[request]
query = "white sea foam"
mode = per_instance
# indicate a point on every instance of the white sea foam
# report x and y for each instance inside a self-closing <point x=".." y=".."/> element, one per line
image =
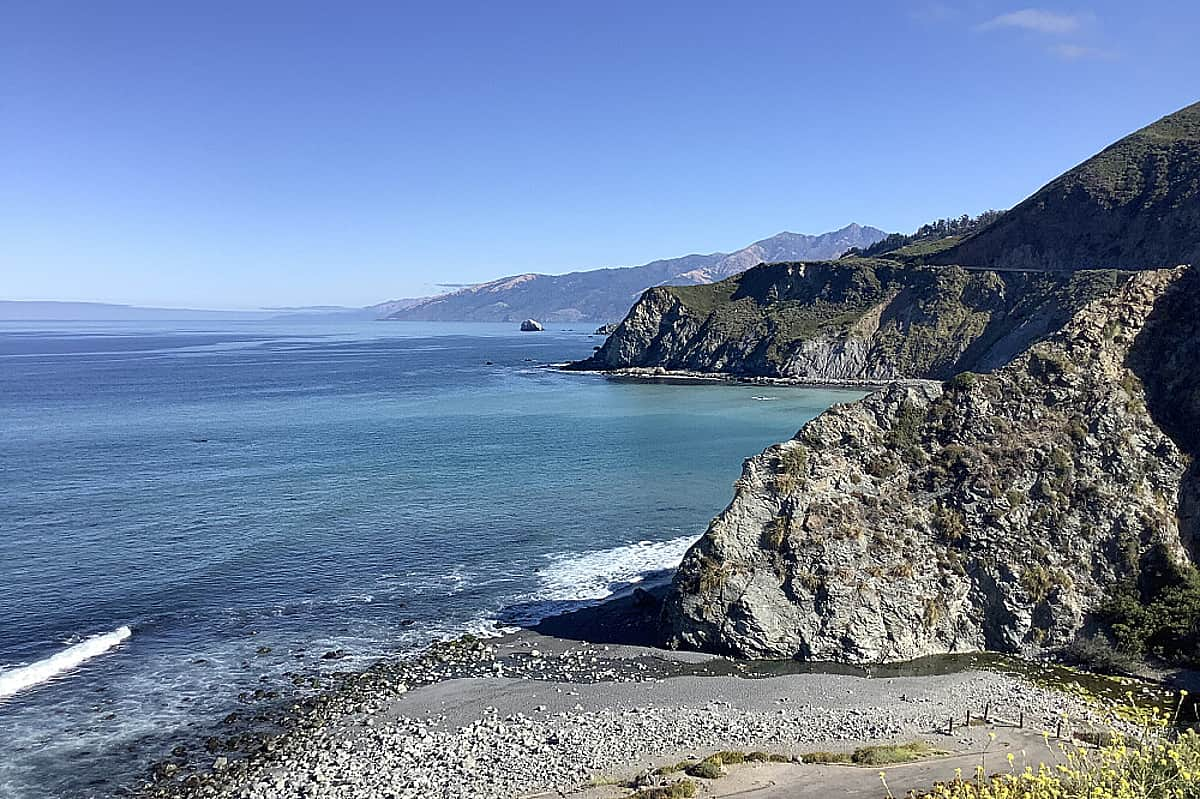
<point x="601" y="573"/>
<point x="22" y="677"/>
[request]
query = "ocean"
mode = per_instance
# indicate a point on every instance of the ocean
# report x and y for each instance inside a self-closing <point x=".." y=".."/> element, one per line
<point x="193" y="510"/>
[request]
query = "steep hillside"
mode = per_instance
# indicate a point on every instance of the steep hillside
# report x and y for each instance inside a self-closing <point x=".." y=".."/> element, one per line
<point x="1136" y="205"/>
<point x="605" y="295"/>
<point x="855" y="319"/>
<point x="997" y="511"/>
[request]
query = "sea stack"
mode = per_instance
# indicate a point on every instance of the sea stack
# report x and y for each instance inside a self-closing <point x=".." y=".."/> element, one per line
<point x="531" y="326"/>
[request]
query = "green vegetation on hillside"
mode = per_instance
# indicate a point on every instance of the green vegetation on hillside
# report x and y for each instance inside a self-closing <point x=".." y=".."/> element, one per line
<point x="1134" y="205"/>
<point x="930" y="238"/>
<point x="882" y="317"/>
<point x="1160" y="616"/>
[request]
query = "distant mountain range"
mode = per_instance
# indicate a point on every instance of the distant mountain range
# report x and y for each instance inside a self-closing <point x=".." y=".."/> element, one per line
<point x="51" y="311"/>
<point x="56" y="311"/>
<point x="606" y="295"/>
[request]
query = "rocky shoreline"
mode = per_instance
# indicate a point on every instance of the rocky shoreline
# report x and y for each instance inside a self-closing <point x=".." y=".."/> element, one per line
<point x="529" y="713"/>
<point x="659" y="374"/>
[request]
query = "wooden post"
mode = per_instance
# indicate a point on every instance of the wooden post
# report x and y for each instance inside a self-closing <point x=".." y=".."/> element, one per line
<point x="968" y="717"/>
<point x="1058" y="731"/>
<point x="950" y="726"/>
<point x="987" y="712"/>
<point x="1021" y="720"/>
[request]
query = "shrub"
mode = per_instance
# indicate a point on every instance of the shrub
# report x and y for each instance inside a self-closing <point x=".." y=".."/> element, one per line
<point x="882" y="467"/>
<point x="713" y="575"/>
<point x="1162" y="617"/>
<point x="888" y="754"/>
<point x="810" y="581"/>
<point x="1155" y="768"/>
<point x="707" y="769"/>
<point x="775" y="533"/>
<point x="904" y="437"/>
<point x="676" y="790"/>
<point x="1039" y="582"/>
<point x="727" y="758"/>
<point x="961" y="381"/>
<point x="949" y="523"/>
<point x="794" y="460"/>
<point x="1047" y="364"/>
<point x="934" y="610"/>
<point x="954" y="459"/>
<point x="825" y="757"/>
<point x="1097" y="653"/>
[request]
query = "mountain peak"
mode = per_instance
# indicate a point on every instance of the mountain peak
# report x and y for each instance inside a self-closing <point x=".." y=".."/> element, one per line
<point x="604" y="295"/>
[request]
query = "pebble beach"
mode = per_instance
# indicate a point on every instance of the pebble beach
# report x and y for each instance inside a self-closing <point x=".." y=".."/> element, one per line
<point x="529" y="714"/>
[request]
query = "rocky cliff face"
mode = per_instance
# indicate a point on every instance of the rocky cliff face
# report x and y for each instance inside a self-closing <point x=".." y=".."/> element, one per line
<point x="990" y="512"/>
<point x="851" y="319"/>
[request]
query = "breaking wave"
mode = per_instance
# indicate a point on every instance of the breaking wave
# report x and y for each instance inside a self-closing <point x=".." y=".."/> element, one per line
<point x="602" y="573"/>
<point x="22" y="677"/>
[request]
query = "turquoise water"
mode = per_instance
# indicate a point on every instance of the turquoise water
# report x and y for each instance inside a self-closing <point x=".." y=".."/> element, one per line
<point x="177" y="498"/>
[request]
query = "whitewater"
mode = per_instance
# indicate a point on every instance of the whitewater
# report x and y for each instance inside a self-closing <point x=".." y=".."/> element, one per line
<point x="20" y="678"/>
<point x="220" y="507"/>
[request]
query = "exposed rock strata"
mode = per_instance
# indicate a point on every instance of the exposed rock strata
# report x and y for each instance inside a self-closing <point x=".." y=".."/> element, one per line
<point x="854" y="319"/>
<point x="992" y="512"/>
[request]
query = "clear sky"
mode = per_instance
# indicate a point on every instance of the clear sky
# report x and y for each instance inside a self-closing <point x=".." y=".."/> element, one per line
<point x="239" y="154"/>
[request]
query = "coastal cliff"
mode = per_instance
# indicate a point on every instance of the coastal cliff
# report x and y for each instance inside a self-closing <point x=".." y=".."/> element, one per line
<point x="854" y="319"/>
<point x="995" y="511"/>
<point x="930" y="306"/>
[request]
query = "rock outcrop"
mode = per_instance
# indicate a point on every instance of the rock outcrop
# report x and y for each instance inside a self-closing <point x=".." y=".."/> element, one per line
<point x="854" y="319"/>
<point x="993" y="511"/>
<point x="531" y="326"/>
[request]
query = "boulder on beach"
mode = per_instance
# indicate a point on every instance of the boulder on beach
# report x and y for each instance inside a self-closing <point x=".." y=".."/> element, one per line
<point x="531" y="326"/>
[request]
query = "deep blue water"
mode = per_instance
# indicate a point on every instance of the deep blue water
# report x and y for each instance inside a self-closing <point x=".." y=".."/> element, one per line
<point x="222" y="487"/>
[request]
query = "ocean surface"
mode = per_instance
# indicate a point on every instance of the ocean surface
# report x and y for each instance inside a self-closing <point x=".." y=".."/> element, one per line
<point x="176" y="499"/>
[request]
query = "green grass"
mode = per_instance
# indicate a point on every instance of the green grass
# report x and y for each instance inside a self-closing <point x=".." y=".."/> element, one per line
<point x="925" y="247"/>
<point x="702" y="300"/>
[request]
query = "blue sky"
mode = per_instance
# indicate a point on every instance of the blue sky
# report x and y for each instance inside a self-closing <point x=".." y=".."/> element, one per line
<point x="239" y="154"/>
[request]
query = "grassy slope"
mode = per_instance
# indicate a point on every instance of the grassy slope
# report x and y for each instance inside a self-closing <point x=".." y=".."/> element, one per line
<point x="930" y="313"/>
<point x="1135" y="205"/>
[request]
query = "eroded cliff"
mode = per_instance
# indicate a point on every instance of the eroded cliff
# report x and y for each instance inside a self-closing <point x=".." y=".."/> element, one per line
<point x="994" y="511"/>
<point x="854" y="319"/>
